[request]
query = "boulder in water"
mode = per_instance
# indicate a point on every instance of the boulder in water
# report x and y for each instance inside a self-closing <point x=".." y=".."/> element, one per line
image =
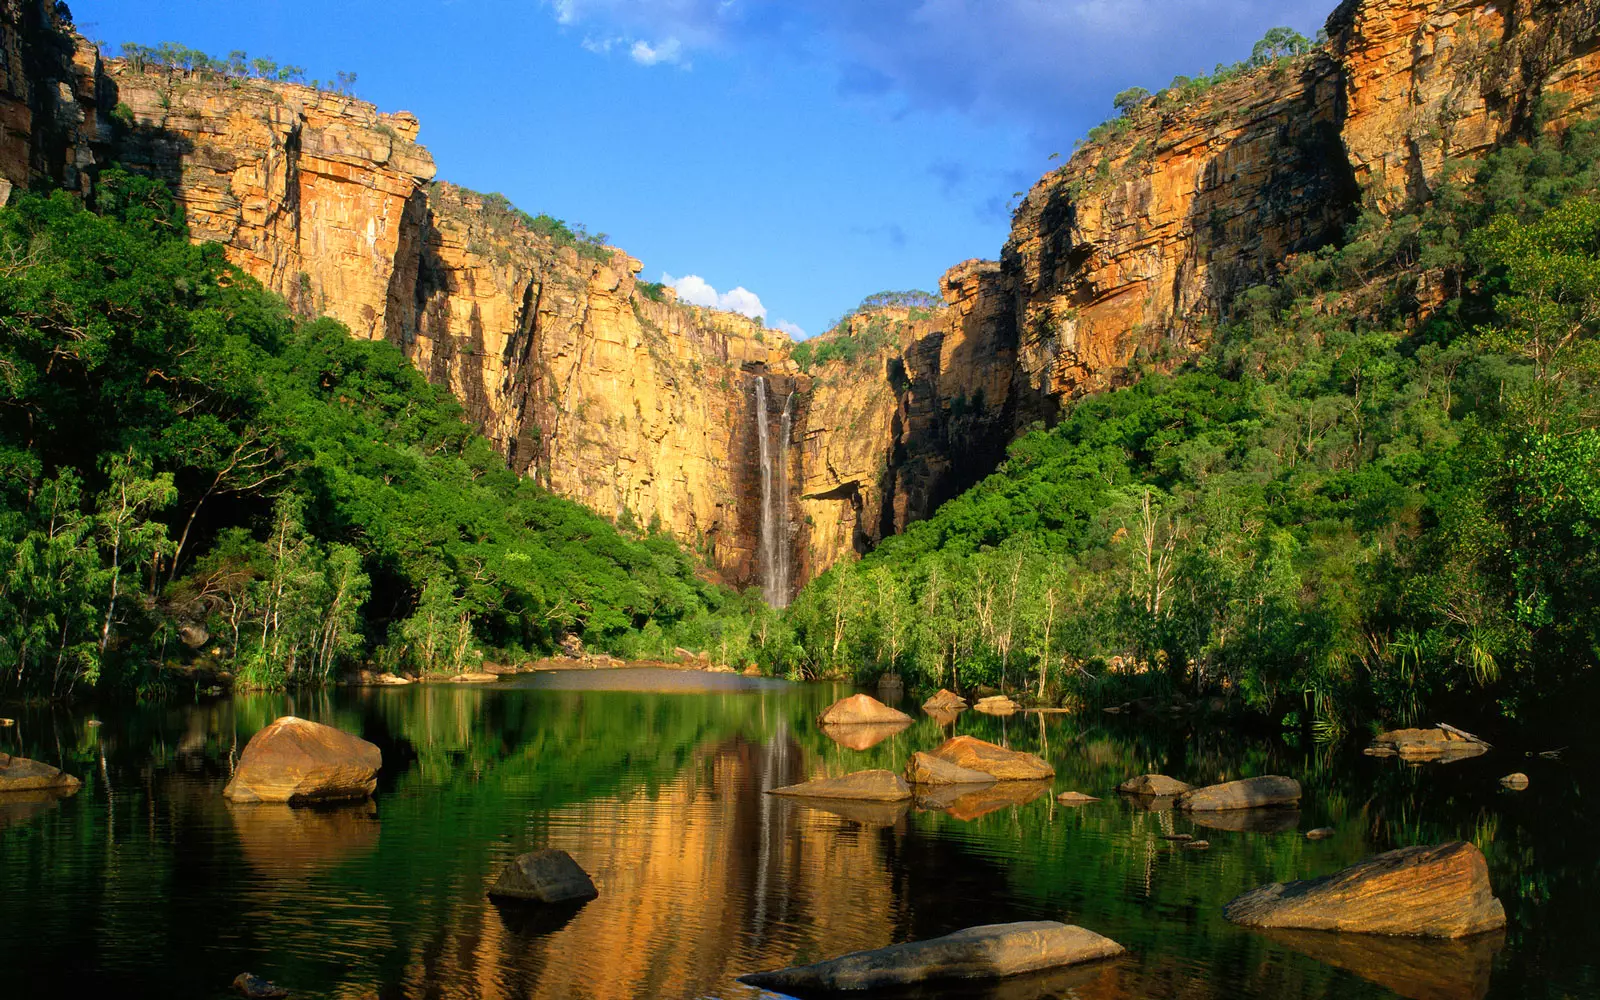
<point x="1441" y="891"/>
<point x="1267" y="791"/>
<point x="1154" y="784"/>
<point x="870" y="786"/>
<point x="294" y="760"/>
<point x="1438" y="744"/>
<point x="1516" y="782"/>
<point x="997" y="705"/>
<point x="944" y="701"/>
<point x="19" y="774"/>
<point x="997" y="762"/>
<point x="1075" y="799"/>
<point x="253" y="986"/>
<point x="859" y="709"/>
<point x="548" y="876"/>
<point x="989" y="952"/>
<point x="925" y="769"/>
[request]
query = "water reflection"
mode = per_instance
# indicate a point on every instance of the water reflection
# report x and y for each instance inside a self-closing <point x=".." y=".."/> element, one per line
<point x="147" y="883"/>
<point x="863" y="736"/>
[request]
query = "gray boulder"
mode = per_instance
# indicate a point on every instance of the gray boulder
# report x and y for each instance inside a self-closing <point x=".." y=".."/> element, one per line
<point x="548" y="876"/>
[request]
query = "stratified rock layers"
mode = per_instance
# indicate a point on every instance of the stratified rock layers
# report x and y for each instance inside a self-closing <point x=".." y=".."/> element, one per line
<point x="618" y="396"/>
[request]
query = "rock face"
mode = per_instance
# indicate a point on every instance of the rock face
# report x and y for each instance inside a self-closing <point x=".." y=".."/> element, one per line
<point x="19" y="774"/>
<point x="614" y="394"/>
<point x="870" y="786"/>
<point x="296" y="761"/>
<point x="1004" y="765"/>
<point x="1440" y="891"/>
<point x="548" y="876"/>
<point x="861" y="709"/>
<point x="1153" y="784"/>
<point x="926" y="769"/>
<point x="1267" y="791"/>
<point x="987" y="952"/>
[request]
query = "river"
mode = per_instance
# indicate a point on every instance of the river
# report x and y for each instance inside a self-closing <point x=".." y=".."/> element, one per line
<point x="147" y="883"/>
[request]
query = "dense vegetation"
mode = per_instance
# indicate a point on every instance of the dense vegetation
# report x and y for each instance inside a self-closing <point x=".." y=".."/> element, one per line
<point x="173" y="57"/>
<point x="183" y="464"/>
<point x="865" y="330"/>
<point x="1377" y="491"/>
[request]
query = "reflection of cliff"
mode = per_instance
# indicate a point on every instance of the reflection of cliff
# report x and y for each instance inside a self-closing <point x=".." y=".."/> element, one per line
<point x="616" y="395"/>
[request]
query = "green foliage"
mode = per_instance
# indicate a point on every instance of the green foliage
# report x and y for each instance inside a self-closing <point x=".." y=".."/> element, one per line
<point x="1333" y="511"/>
<point x="183" y="458"/>
<point x="172" y="57"/>
<point x="1130" y="100"/>
<point x="848" y="342"/>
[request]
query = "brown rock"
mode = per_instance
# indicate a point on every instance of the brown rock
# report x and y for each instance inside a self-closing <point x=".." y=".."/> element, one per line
<point x="294" y="760"/>
<point x="1440" y="891"/>
<point x="1267" y="791"/>
<point x="19" y="774"/>
<point x="925" y="769"/>
<point x="548" y="876"/>
<point x="875" y="786"/>
<point x="374" y="678"/>
<point x="1516" y="782"/>
<point x="987" y="952"/>
<point x="1320" y="833"/>
<point x="1154" y="784"/>
<point x="1436" y="745"/>
<point x="1075" y="799"/>
<point x="860" y="709"/>
<point x="997" y="762"/>
<point x="944" y="701"/>
<point x="997" y="705"/>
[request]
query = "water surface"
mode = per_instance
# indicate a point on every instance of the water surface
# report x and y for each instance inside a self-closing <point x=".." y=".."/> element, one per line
<point x="147" y="883"/>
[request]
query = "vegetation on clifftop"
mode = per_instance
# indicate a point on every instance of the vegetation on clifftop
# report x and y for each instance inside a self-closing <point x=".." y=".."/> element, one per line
<point x="185" y="464"/>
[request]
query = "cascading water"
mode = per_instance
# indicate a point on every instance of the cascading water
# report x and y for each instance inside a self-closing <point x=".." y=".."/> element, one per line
<point x="774" y="532"/>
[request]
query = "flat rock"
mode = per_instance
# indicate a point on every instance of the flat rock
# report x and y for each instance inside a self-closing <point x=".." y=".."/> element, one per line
<point x="1440" y="891"/>
<point x="1075" y="798"/>
<point x="997" y="762"/>
<point x="997" y="705"/>
<point x="294" y="760"/>
<point x="548" y="876"/>
<point x="1154" y="784"/>
<point x="986" y="952"/>
<point x="945" y="701"/>
<point x="1267" y="791"/>
<point x="869" y="786"/>
<point x="863" y="736"/>
<point x="474" y="677"/>
<point x="860" y="709"/>
<point x="19" y="774"/>
<point x="1426" y="744"/>
<point x="925" y="769"/>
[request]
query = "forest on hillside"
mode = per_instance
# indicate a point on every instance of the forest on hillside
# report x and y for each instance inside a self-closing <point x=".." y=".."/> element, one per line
<point x="1375" y="493"/>
<point x="190" y="474"/>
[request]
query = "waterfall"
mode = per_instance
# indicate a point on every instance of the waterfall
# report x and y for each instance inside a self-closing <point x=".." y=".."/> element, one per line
<point x="774" y="541"/>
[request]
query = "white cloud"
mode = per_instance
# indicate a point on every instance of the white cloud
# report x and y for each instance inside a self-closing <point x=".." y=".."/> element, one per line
<point x="792" y="329"/>
<point x="695" y="290"/>
<point x="669" y="51"/>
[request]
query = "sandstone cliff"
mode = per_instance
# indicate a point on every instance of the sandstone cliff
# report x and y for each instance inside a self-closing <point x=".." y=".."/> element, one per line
<point x="616" y="395"/>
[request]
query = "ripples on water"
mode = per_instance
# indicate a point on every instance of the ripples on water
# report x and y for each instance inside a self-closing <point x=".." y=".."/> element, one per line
<point x="147" y="883"/>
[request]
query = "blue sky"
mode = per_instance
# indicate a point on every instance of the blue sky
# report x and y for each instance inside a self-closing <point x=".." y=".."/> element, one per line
<point x="789" y="156"/>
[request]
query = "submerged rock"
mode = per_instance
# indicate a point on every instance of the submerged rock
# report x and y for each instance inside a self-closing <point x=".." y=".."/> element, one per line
<point x="1154" y="784"/>
<point x="859" y="709"/>
<point x="925" y="769"/>
<point x="1267" y="791"/>
<point x="548" y="876"/>
<point x="251" y="985"/>
<point x="295" y="760"/>
<point x="871" y="786"/>
<point x="1440" y="891"/>
<point x="997" y="762"/>
<point x="987" y="952"/>
<point x="1075" y="799"/>
<point x="19" y="774"/>
<point x="945" y="701"/>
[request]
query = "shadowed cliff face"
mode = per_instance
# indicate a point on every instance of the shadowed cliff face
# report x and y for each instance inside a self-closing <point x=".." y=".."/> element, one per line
<point x="616" y="395"/>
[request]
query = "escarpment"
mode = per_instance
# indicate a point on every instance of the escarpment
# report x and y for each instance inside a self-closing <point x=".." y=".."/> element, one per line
<point x="614" y="394"/>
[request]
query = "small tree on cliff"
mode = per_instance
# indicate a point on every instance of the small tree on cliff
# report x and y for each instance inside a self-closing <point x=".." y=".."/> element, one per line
<point x="1130" y="100"/>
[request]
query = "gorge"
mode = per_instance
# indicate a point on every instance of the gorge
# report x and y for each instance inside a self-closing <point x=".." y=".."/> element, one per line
<point x="611" y="392"/>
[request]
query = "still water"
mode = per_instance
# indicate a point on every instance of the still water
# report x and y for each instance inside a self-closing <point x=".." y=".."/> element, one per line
<point x="148" y="884"/>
